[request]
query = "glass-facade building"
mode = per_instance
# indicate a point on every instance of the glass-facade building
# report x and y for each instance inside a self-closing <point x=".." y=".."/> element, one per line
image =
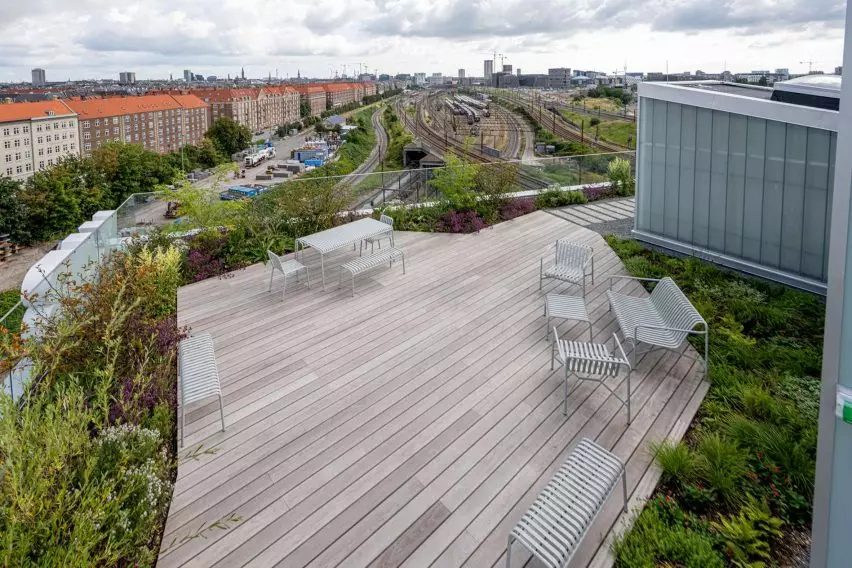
<point x="727" y="174"/>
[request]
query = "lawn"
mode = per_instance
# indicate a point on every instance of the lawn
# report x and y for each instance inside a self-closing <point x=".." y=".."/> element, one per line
<point x="738" y="490"/>
<point x="619" y="132"/>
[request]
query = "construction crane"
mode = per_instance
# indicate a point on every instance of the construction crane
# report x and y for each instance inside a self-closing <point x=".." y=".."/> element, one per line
<point x="810" y="63"/>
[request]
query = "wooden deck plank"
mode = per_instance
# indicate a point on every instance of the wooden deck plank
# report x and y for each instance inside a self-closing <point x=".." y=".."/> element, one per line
<point x="411" y="423"/>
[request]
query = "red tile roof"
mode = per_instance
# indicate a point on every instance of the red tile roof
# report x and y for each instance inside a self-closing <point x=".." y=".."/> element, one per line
<point x="24" y="111"/>
<point x="117" y="106"/>
<point x="189" y="101"/>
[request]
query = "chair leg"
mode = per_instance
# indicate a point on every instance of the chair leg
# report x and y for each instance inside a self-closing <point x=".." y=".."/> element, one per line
<point x="353" y="285"/>
<point x="182" y="423"/>
<point x="629" y="373"/>
<point x="403" y="264"/>
<point x="509" y="553"/>
<point x="565" y="401"/>
<point x="271" y="275"/>
<point x="284" y="293"/>
<point x="624" y="485"/>
<point x="222" y="412"/>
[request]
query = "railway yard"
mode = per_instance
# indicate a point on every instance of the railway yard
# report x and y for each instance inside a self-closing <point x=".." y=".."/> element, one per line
<point x="482" y="129"/>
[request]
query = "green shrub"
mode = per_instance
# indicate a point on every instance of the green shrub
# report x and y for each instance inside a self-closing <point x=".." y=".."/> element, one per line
<point x="653" y="541"/>
<point x="594" y="121"/>
<point x="746" y="537"/>
<point x="676" y="461"/>
<point x="556" y="198"/>
<point x="721" y="465"/>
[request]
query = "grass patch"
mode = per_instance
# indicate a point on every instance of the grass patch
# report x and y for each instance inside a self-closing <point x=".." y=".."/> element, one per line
<point x="618" y="132"/>
<point x="746" y="467"/>
<point x="8" y="299"/>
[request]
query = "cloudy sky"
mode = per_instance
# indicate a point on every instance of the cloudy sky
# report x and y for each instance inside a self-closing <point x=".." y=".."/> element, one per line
<point x="99" y="38"/>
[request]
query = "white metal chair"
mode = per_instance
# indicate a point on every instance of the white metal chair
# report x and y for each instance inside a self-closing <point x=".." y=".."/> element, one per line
<point x="378" y="238"/>
<point x="198" y="375"/>
<point x="573" y="262"/>
<point x="591" y="362"/>
<point x="286" y="267"/>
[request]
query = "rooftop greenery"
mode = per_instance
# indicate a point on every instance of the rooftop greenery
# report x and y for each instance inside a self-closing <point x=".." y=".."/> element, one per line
<point x="741" y="482"/>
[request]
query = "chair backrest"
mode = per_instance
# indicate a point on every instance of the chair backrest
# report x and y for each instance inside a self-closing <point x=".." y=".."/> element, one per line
<point x="275" y="260"/>
<point x="674" y="307"/>
<point x="386" y="220"/>
<point x="571" y="253"/>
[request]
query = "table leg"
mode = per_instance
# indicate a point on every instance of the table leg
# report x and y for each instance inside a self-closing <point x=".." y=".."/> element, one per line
<point x="322" y="269"/>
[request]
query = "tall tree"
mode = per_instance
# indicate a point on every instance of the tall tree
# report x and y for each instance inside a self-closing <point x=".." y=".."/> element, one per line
<point x="228" y="136"/>
<point x="12" y="211"/>
<point x="304" y="109"/>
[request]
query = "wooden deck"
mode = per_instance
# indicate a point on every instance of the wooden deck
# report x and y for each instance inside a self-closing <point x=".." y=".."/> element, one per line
<point x="411" y="425"/>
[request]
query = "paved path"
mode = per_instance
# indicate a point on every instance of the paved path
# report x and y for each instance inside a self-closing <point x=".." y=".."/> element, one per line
<point x="597" y="212"/>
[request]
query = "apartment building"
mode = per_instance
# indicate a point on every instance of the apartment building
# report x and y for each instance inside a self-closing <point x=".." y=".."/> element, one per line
<point x="277" y="105"/>
<point x="159" y="123"/>
<point x="370" y="89"/>
<point x="314" y="96"/>
<point x="193" y="120"/>
<point x="339" y="94"/>
<point x="35" y="136"/>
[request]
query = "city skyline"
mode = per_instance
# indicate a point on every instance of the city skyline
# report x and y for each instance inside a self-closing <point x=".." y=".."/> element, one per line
<point x="406" y="37"/>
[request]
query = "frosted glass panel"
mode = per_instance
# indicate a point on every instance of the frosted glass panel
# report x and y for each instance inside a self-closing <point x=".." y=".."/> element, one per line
<point x="752" y="189"/>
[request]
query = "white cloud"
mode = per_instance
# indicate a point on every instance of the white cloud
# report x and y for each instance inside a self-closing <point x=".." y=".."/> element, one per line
<point x="90" y="38"/>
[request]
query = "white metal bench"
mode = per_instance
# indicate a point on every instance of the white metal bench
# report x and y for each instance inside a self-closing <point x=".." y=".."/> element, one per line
<point x="365" y="263"/>
<point x="664" y="319"/>
<point x="559" y="518"/>
<point x="198" y="375"/>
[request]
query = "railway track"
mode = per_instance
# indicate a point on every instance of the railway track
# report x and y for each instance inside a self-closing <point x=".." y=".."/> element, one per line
<point x="418" y="124"/>
<point x="561" y="128"/>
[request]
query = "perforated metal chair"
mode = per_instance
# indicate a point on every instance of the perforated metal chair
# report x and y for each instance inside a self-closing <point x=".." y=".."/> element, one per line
<point x="573" y="262"/>
<point x="378" y="238"/>
<point x="591" y="362"/>
<point x="286" y="268"/>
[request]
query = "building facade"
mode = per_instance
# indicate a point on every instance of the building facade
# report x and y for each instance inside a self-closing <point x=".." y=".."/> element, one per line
<point x="729" y="174"/>
<point x="461" y="73"/>
<point x="35" y="136"/>
<point x="488" y="70"/>
<point x="159" y="123"/>
<point x="39" y="78"/>
<point x="313" y="96"/>
<point x="127" y="78"/>
<point x="559" y="77"/>
<point x="240" y="105"/>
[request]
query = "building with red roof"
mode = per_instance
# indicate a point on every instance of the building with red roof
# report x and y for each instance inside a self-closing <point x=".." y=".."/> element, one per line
<point x="160" y="123"/>
<point x="35" y="136"/>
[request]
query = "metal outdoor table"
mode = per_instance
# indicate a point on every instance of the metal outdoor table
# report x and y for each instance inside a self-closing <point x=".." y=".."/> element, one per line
<point x="338" y="237"/>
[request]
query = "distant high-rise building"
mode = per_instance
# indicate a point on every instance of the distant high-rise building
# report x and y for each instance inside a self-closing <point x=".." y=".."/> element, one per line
<point x="39" y="79"/>
<point x="127" y="77"/>
<point x="838" y="70"/>
<point x="198" y="77"/>
<point x="560" y="77"/>
<point x="461" y="73"/>
<point x="489" y="69"/>
<point x="243" y="73"/>
<point x="507" y="69"/>
<point x="187" y="75"/>
<point x="420" y="78"/>
<point x="518" y="71"/>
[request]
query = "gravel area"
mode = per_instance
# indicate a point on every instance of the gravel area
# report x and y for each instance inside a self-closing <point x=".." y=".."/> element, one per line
<point x="620" y="228"/>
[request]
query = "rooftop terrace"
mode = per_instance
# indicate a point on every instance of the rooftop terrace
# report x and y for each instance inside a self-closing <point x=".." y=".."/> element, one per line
<point x="413" y="424"/>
